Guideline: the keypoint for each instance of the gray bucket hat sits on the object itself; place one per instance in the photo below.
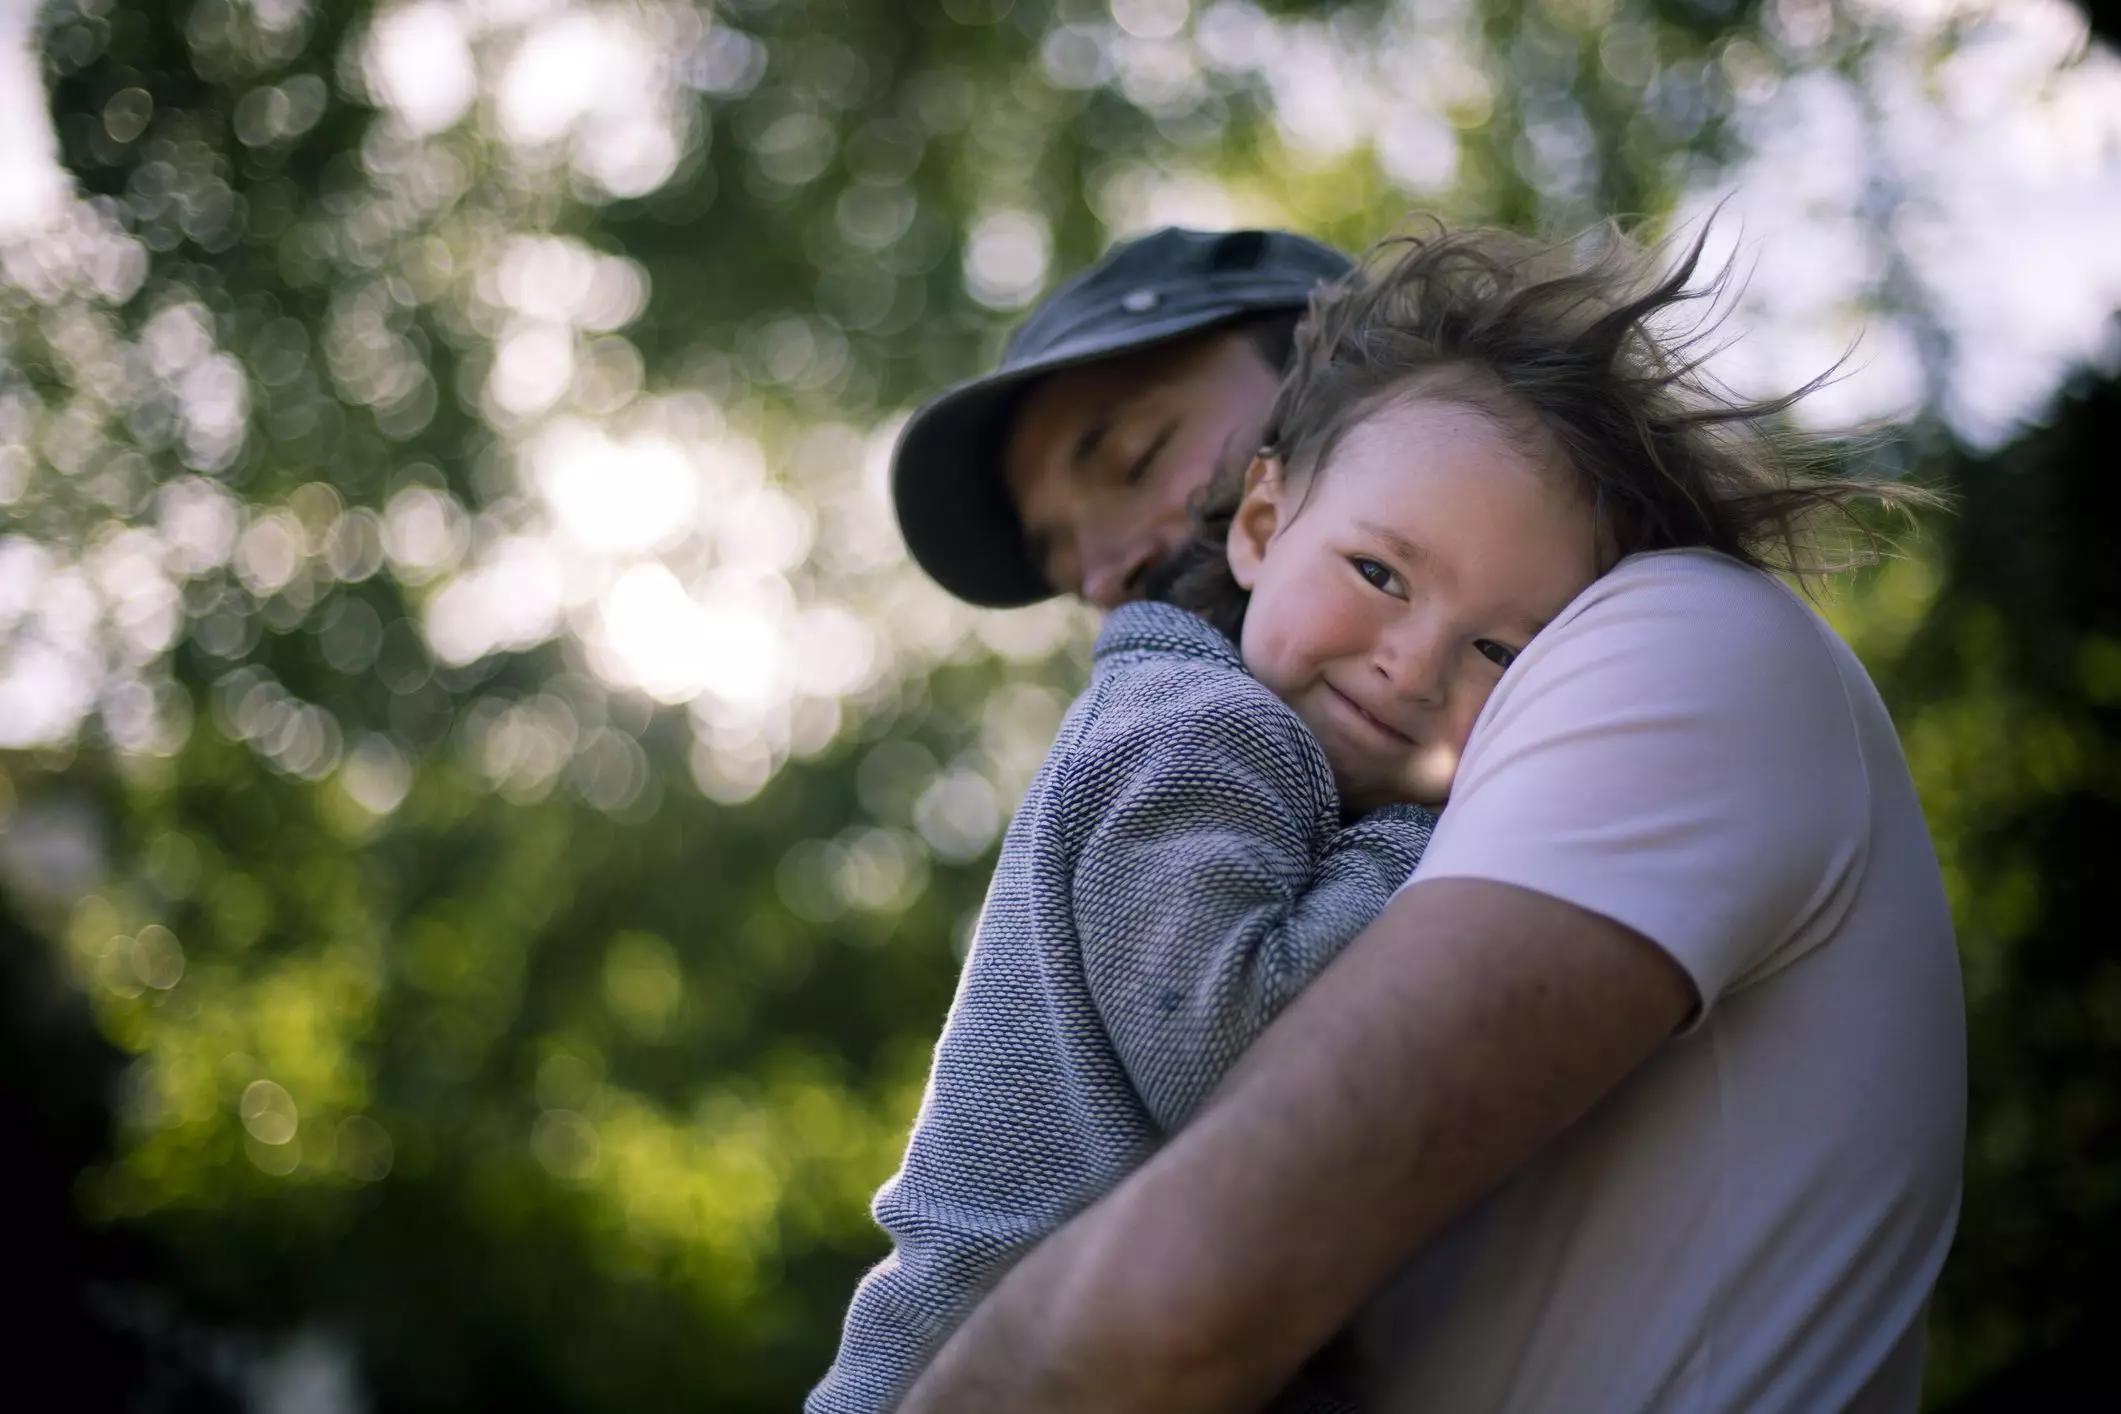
(946, 472)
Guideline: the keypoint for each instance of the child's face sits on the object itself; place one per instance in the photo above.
(1389, 595)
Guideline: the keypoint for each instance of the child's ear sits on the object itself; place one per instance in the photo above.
(1258, 517)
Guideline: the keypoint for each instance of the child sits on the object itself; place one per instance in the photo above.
(1472, 432)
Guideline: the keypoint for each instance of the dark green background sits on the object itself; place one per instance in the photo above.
(458, 972)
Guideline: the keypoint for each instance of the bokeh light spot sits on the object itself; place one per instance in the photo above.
(268, 1112)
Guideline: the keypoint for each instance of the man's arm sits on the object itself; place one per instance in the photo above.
(1472, 1023)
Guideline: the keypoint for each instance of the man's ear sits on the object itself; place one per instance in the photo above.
(1258, 517)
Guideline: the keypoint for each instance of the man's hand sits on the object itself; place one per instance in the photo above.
(1469, 1025)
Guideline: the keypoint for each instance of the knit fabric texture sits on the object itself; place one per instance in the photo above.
(1177, 872)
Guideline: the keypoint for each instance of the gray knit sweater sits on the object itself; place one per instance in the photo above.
(1177, 872)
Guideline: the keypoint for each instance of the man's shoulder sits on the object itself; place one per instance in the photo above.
(1694, 584)
(1699, 620)
(1685, 652)
(1681, 756)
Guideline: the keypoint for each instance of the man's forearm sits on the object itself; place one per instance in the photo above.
(1464, 1029)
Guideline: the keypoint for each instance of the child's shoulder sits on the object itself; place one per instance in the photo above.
(1165, 678)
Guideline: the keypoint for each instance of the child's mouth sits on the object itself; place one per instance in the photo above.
(1376, 726)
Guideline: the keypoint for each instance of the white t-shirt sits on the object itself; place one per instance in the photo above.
(1755, 1219)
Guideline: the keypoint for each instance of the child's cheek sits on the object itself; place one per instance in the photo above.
(1266, 647)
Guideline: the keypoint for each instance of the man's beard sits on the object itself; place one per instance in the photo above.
(1231, 463)
(1158, 580)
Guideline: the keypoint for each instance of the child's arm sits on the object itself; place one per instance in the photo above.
(1212, 888)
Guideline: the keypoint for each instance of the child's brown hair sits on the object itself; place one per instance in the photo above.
(1562, 353)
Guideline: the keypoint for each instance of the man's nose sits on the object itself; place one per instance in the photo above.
(1114, 573)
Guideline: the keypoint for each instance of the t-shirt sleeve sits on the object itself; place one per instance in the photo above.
(1677, 754)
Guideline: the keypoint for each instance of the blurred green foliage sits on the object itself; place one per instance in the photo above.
(535, 1018)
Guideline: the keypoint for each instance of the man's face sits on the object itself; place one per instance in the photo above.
(1103, 459)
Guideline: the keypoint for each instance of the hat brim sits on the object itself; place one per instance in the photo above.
(954, 509)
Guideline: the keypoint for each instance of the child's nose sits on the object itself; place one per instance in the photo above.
(1412, 662)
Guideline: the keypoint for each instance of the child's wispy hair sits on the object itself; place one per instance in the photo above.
(1589, 362)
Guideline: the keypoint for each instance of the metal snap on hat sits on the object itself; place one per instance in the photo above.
(946, 472)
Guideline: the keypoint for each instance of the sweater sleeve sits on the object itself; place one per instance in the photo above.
(1212, 886)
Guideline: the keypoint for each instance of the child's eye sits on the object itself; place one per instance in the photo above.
(1500, 654)
(1379, 576)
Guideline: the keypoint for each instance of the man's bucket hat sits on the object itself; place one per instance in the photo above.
(946, 472)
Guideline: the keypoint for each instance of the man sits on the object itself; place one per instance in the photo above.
(1647, 1093)
(1068, 469)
